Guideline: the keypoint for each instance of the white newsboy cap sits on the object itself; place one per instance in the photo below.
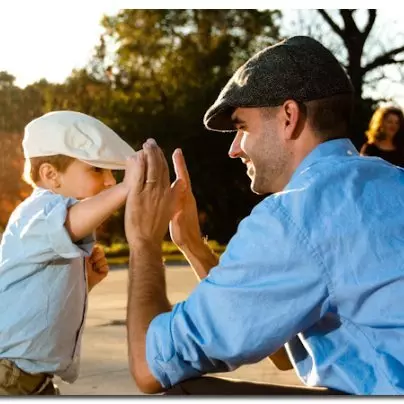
(76, 135)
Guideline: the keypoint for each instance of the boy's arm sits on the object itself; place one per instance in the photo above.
(85, 216)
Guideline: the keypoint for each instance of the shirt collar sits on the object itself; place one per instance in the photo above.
(336, 147)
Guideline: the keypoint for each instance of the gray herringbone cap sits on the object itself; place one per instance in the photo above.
(299, 68)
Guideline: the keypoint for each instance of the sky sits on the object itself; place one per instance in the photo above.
(49, 39)
(40, 39)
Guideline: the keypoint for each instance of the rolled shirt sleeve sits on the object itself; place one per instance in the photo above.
(270, 284)
(46, 234)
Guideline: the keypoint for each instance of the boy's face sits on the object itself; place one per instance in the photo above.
(80, 180)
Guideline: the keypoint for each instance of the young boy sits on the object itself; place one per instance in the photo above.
(47, 260)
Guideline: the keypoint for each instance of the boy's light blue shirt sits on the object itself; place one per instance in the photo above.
(319, 266)
(43, 287)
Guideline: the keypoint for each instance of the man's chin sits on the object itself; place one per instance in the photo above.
(259, 190)
(256, 189)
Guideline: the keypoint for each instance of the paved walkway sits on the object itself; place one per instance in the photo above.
(104, 365)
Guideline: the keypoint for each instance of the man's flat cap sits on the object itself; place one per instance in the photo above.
(299, 68)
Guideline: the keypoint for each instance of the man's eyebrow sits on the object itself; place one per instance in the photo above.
(236, 120)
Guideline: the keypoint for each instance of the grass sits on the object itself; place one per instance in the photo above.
(118, 253)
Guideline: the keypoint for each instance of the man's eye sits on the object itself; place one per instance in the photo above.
(98, 169)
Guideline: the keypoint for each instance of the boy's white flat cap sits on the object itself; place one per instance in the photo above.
(76, 135)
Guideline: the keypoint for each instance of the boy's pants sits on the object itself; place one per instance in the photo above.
(16, 382)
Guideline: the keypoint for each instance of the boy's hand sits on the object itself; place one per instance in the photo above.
(97, 267)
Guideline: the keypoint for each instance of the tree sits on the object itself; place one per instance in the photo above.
(18, 106)
(165, 68)
(354, 38)
(12, 189)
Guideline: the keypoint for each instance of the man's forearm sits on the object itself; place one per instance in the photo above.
(85, 216)
(147, 297)
(201, 258)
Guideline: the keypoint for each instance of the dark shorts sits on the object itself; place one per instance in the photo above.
(16, 382)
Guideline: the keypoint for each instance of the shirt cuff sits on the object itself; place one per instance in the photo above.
(163, 361)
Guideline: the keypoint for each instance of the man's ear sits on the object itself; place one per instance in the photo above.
(293, 119)
(49, 175)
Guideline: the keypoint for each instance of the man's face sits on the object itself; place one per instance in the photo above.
(259, 144)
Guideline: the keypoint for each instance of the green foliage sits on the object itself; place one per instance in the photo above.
(118, 253)
(154, 73)
(17, 106)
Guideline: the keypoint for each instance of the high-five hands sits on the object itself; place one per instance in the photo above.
(151, 198)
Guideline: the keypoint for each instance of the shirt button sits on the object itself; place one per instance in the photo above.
(349, 152)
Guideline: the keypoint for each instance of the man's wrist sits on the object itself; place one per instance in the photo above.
(194, 246)
(200, 251)
(139, 245)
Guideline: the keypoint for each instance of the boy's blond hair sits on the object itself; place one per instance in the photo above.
(33, 164)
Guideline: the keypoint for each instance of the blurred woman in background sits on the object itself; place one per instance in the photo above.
(386, 135)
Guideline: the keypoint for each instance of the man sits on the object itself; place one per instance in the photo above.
(317, 266)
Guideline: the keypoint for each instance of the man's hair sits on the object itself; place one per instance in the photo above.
(330, 118)
(375, 130)
(33, 164)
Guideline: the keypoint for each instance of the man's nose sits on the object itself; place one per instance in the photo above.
(235, 148)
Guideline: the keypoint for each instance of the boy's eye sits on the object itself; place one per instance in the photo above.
(97, 169)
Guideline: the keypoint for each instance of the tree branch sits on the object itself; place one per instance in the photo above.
(371, 20)
(385, 59)
(350, 24)
(331, 22)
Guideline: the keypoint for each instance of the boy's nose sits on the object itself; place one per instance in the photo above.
(109, 179)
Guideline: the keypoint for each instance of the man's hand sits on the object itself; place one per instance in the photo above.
(147, 214)
(150, 198)
(184, 225)
(96, 266)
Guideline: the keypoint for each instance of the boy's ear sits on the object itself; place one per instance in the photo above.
(49, 175)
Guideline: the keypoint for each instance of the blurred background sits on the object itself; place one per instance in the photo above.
(153, 73)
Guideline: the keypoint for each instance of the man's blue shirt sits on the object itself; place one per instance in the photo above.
(318, 267)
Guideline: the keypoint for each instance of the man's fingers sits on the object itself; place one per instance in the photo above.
(180, 167)
(177, 190)
(135, 169)
(153, 162)
(165, 172)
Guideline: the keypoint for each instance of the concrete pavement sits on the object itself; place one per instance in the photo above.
(104, 364)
